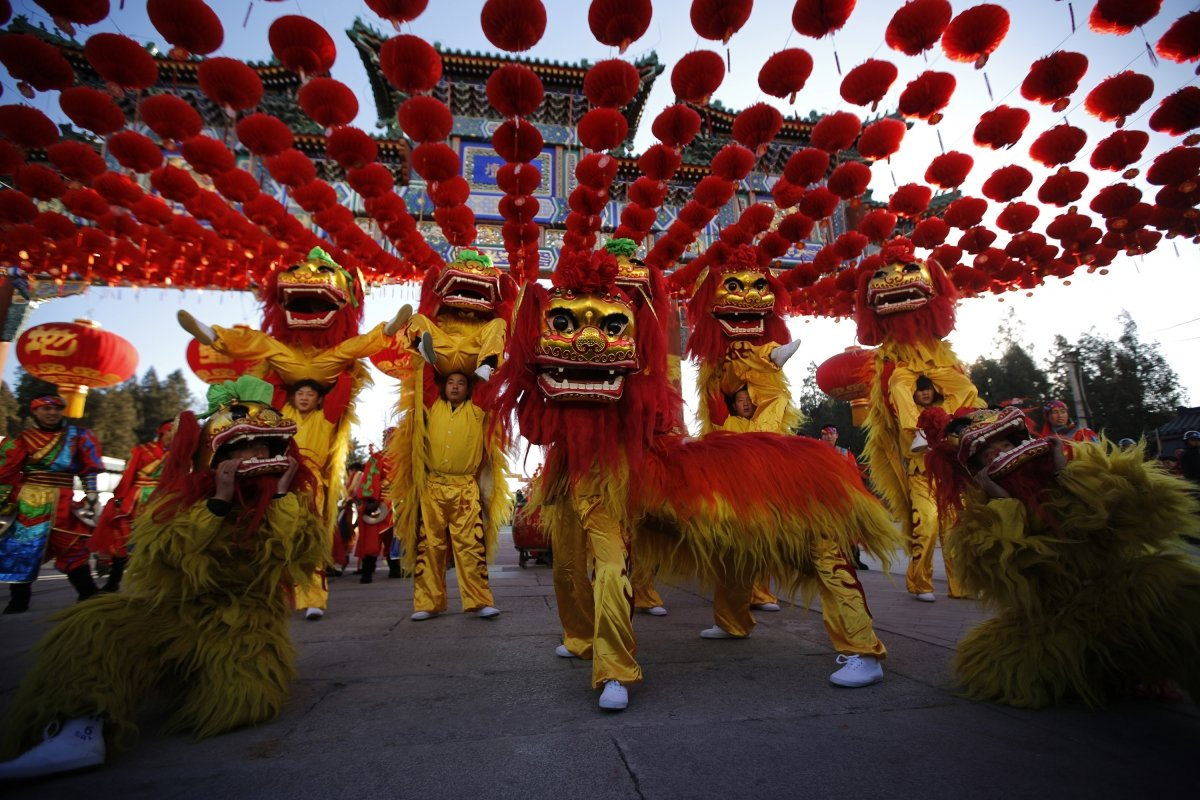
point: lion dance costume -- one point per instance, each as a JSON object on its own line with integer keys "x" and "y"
{"x": 312, "y": 313}
{"x": 586, "y": 378}
{"x": 906, "y": 307}
{"x": 1080, "y": 558}
{"x": 204, "y": 613}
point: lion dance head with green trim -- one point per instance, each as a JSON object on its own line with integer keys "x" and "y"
{"x": 315, "y": 302}
{"x": 902, "y": 297}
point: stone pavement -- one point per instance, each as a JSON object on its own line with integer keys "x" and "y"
{"x": 459, "y": 707}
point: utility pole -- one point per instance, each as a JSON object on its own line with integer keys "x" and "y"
{"x": 1075, "y": 379}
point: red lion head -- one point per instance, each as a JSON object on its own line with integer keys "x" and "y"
{"x": 314, "y": 302}
{"x": 738, "y": 299}
{"x": 903, "y": 298}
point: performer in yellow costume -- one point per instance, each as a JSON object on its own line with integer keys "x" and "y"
{"x": 906, "y": 306}
{"x": 741, "y": 342}
{"x": 451, "y": 508}
{"x": 312, "y": 312}
{"x": 203, "y": 612}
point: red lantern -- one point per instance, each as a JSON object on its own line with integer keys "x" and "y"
{"x": 27, "y": 127}
{"x": 121, "y": 61}
{"x": 1118, "y": 96}
{"x": 514, "y": 90}
{"x": 328, "y": 102}
{"x": 756, "y": 126}
{"x": 1122, "y": 16}
{"x": 350, "y": 147}
{"x": 301, "y": 45}
{"x": 926, "y": 95}
{"x": 76, "y": 356}
{"x": 1053, "y": 78}
{"x": 1178, "y": 112}
{"x": 92, "y": 109}
{"x": 917, "y": 25}
{"x": 836, "y": 131}
{"x": 264, "y": 135}
{"x": 1181, "y": 42}
{"x": 425, "y": 119}
{"x": 1058, "y": 145}
{"x": 207, "y": 156}
{"x": 76, "y": 161}
{"x": 1007, "y": 183}
{"x": 849, "y": 180}
{"x": 881, "y": 138}
{"x": 611, "y": 83}
{"x": 847, "y": 376}
{"x": 398, "y": 12}
{"x": 617, "y": 23}
{"x": 190, "y": 25}
{"x": 785, "y": 73}
{"x": 1119, "y": 150}
{"x": 910, "y": 200}
{"x": 720, "y": 19}
{"x": 975, "y": 33}
{"x": 134, "y": 151}
{"x": 866, "y": 84}
{"x": 806, "y": 166}
{"x": 676, "y": 125}
{"x": 410, "y": 64}
{"x": 949, "y": 170}
{"x": 697, "y": 75}
{"x": 170, "y": 117}
{"x": 817, "y": 18}
{"x": 513, "y": 25}
{"x": 40, "y": 65}
{"x": 213, "y": 367}
{"x": 1000, "y": 127}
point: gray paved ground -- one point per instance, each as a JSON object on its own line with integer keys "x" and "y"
{"x": 458, "y": 707}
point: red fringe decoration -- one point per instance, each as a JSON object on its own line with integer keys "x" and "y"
{"x": 1007, "y": 183}
{"x": 1119, "y": 96}
{"x": 1054, "y": 78}
{"x": 917, "y": 25}
{"x": 975, "y": 33}
{"x": 866, "y": 84}
{"x": 881, "y": 138}
{"x": 785, "y": 73}
{"x": 1000, "y": 127}
{"x": 835, "y": 132}
{"x": 817, "y": 18}
{"x": 926, "y": 95}
{"x": 697, "y": 75}
{"x": 1058, "y": 145}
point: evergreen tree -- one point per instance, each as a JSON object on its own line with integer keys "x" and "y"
{"x": 1014, "y": 374}
{"x": 112, "y": 414}
{"x": 160, "y": 400}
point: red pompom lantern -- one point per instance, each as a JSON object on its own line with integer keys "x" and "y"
{"x": 756, "y": 126}
{"x": 398, "y": 12}
{"x": 121, "y": 61}
{"x": 75, "y": 357}
{"x": 237, "y": 185}
{"x": 1058, "y": 145}
{"x": 291, "y": 168}
{"x": 452, "y": 192}
{"x": 847, "y": 376}
{"x": 213, "y": 367}
{"x": 27, "y": 127}
{"x": 190, "y": 25}
{"x": 917, "y": 25}
{"x": 1017, "y": 217}
{"x": 264, "y": 135}
{"x": 611, "y": 83}
{"x": 16, "y": 208}
{"x": 910, "y": 200}
{"x": 315, "y": 197}
{"x": 786, "y": 194}
{"x": 521, "y": 178}
{"x": 514, "y": 90}
{"x": 372, "y": 180}
{"x": 1007, "y": 183}
{"x": 785, "y": 73}
{"x": 676, "y": 125}
{"x": 975, "y": 33}
{"x": 866, "y": 84}
{"x": 12, "y": 157}
{"x": 849, "y": 180}
{"x": 949, "y": 170}
{"x": 513, "y": 25}
{"x": 38, "y": 64}
{"x": 817, "y": 18}
{"x": 1063, "y": 188}
{"x": 835, "y": 132}
{"x": 118, "y": 189}
{"x": 602, "y": 129}
{"x": 1053, "y": 78}
{"x": 1119, "y": 150}
{"x": 350, "y": 147}
{"x": 328, "y": 102}
{"x": 658, "y": 163}
{"x": 719, "y": 19}
{"x": 1118, "y": 96}
{"x": 301, "y": 45}
{"x": 134, "y": 151}
{"x": 171, "y": 118}
{"x": 818, "y": 203}
{"x": 965, "y": 212}
{"x": 697, "y": 75}
{"x": 877, "y": 225}
{"x": 76, "y": 161}
{"x": 1178, "y": 112}
{"x": 1176, "y": 165}
{"x": 435, "y": 161}
{"x": 39, "y": 182}
{"x": 618, "y": 23}
{"x": 1115, "y": 200}
{"x": 207, "y": 156}
{"x": 926, "y": 95}
{"x": 92, "y": 110}
{"x": 1122, "y": 16}
{"x": 1000, "y": 127}
{"x": 229, "y": 83}
{"x": 881, "y": 138}
{"x": 1181, "y": 42}
{"x": 930, "y": 232}
{"x": 733, "y": 162}
{"x": 410, "y": 64}
{"x": 806, "y": 166}
{"x": 173, "y": 183}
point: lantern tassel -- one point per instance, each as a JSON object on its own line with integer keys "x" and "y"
{"x": 988, "y": 84}
{"x": 1071, "y": 10}
{"x": 249, "y": 8}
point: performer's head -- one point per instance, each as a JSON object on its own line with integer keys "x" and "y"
{"x": 165, "y": 432}
{"x": 1056, "y": 413}
{"x": 1191, "y": 439}
{"x": 456, "y": 389}
{"x": 48, "y": 411}
{"x": 740, "y": 404}
{"x": 829, "y": 434}
{"x": 926, "y": 393}
{"x": 306, "y": 395}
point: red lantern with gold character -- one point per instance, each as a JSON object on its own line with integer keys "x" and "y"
{"x": 846, "y": 376}
{"x": 75, "y": 357}
{"x": 213, "y": 367}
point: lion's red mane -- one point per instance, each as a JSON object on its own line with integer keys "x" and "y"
{"x": 931, "y": 322}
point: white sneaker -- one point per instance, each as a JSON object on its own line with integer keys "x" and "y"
{"x": 420, "y": 615}
{"x": 425, "y": 348}
{"x": 926, "y": 597}
{"x": 765, "y": 606}
{"x": 562, "y": 652}
{"x": 919, "y": 443}
{"x": 656, "y": 611}
{"x": 75, "y": 744}
{"x": 314, "y": 614}
{"x": 484, "y": 371}
{"x": 857, "y": 671}
{"x": 781, "y": 354}
{"x": 487, "y": 612}
{"x": 717, "y": 632}
{"x": 615, "y": 697}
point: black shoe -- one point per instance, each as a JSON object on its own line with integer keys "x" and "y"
{"x": 861, "y": 565}
{"x": 18, "y": 598}
{"x": 113, "y": 584}
{"x": 394, "y": 568}
{"x": 83, "y": 582}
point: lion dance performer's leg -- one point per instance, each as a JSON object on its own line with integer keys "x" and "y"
{"x": 429, "y": 575}
{"x": 461, "y": 501}
{"x": 923, "y": 535}
{"x": 844, "y": 604}
{"x": 611, "y": 640}
{"x": 732, "y": 595}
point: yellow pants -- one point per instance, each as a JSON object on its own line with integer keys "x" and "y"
{"x": 844, "y": 604}
{"x": 596, "y": 614}
{"x": 926, "y": 533}
{"x": 645, "y": 595}
{"x": 451, "y": 521}
{"x": 461, "y": 343}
